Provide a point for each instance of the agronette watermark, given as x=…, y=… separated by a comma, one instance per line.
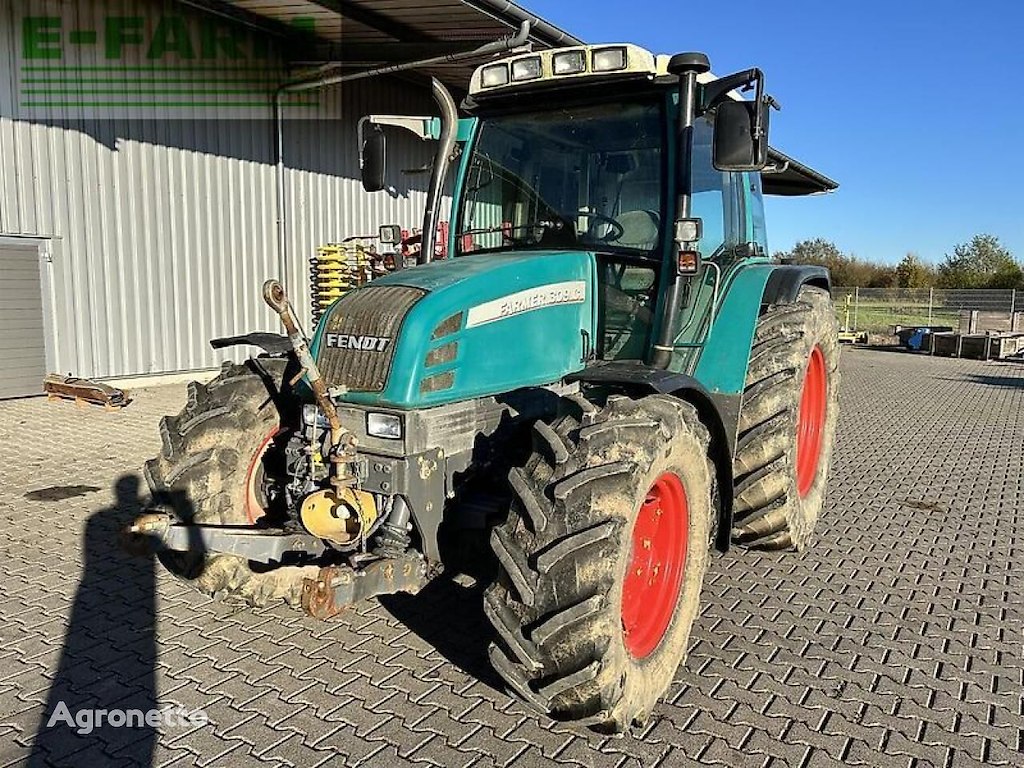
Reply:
x=85, y=721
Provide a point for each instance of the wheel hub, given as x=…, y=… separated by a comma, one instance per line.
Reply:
x=654, y=576
x=810, y=425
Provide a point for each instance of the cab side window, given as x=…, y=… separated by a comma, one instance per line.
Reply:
x=717, y=197
x=755, y=205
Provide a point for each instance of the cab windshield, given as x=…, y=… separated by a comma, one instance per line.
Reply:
x=585, y=176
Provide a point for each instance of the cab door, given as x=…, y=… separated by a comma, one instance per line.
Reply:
x=718, y=199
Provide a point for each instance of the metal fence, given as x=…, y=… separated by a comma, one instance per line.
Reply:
x=877, y=310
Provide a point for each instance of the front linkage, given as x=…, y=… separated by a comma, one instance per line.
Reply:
x=334, y=520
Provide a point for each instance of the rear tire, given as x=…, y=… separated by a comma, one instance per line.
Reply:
x=214, y=453
x=615, y=500
x=787, y=424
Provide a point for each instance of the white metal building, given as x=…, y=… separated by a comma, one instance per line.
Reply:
x=138, y=167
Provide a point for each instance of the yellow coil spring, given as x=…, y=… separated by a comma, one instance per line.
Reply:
x=336, y=270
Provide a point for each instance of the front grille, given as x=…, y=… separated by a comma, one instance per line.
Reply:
x=350, y=354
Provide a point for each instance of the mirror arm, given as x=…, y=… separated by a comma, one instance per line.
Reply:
x=759, y=132
x=418, y=126
x=717, y=90
x=775, y=168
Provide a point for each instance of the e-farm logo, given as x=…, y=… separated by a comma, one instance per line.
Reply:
x=95, y=60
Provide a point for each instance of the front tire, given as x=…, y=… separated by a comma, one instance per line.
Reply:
x=602, y=558
x=215, y=455
x=787, y=424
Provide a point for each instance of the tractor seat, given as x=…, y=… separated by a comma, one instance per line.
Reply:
x=639, y=229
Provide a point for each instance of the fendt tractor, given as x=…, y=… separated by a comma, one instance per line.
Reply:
x=606, y=379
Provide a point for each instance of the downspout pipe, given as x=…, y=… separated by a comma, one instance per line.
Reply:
x=510, y=13
x=515, y=43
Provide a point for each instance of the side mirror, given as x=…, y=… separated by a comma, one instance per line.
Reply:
x=738, y=147
x=390, y=234
x=373, y=160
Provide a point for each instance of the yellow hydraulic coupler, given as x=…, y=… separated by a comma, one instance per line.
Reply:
x=340, y=517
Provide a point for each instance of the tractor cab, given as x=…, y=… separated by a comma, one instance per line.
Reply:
x=649, y=162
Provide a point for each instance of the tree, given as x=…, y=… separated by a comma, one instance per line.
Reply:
x=824, y=253
x=1008, y=276
x=879, y=275
x=817, y=251
x=846, y=269
x=976, y=264
x=911, y=272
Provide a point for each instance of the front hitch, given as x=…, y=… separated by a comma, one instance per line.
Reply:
x=261, y=545
x=337, y=587
x=343, y=442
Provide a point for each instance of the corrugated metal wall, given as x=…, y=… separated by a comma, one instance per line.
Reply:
x=163, y=219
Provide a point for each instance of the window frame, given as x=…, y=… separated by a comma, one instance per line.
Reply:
x=654, y=255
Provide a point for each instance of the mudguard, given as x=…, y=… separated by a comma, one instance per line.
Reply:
x=722, y=364
x=785, y=282
x=272, y=343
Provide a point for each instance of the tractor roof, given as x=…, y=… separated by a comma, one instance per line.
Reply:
x=623, y=62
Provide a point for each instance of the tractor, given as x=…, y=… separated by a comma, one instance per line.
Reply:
x=607, y=379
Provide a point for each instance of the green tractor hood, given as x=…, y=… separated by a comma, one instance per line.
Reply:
x=460, y=329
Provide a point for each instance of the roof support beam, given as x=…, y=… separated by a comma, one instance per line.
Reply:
x=238, y=15
x=514, y=15
x=373, y=19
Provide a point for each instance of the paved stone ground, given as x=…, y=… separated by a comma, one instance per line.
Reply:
x=896, y=641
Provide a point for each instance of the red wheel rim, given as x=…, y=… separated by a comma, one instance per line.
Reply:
x=810, y=425
x=253, y=508
x=654, y=576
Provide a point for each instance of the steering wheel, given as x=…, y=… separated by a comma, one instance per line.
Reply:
x=614, y=233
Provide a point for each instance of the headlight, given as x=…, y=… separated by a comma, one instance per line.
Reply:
x=385, y=425
x=569, y=63
x=492, y=77
x=610, y=59
x=527, y=69
x=688, y=230
x=312, y=416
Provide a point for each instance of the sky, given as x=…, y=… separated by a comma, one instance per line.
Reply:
x=913, y=106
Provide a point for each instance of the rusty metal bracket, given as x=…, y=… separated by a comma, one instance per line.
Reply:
x=84, y=391
x=337, y=587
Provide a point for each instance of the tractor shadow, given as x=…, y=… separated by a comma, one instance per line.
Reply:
x=1004, y=382
x=108, y=658
x=1007, y=382
x=448, y=612
x=450, y=618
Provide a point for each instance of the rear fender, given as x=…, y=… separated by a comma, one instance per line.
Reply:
x=722, y=365
x=785, y=282
x=721, y=369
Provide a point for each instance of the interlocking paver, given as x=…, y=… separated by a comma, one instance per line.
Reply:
x=896, y=641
